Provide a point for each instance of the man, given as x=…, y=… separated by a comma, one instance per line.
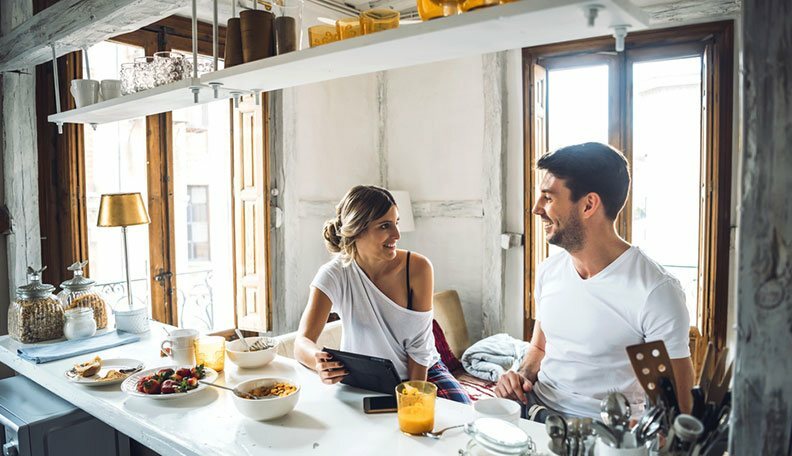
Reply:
x=597, y=297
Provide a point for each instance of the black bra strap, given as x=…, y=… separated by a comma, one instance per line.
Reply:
x=409, y=290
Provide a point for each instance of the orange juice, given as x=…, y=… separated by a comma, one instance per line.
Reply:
x=416, y=404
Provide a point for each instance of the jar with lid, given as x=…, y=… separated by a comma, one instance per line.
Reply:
x=79, y=323
x=495, y=437
x=79, y=291
x=36, y=314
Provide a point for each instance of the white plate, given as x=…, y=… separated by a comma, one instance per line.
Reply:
x=107, y=364
x=130, y=384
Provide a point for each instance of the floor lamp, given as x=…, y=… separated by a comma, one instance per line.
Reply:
x=125, y=209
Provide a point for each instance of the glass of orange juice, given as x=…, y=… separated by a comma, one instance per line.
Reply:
x=416, y=404
x=210, y=351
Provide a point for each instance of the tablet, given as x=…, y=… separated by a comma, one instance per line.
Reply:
x=367, y=372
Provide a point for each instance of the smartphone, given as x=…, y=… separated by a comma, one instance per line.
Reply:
x=379, y=404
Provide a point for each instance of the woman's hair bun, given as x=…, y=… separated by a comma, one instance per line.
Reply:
x=332, y=235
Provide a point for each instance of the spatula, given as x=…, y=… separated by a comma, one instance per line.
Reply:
x=651, y=363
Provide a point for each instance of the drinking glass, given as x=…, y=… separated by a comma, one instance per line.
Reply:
x=127, y=78
x=378, y=19
x=168, y=67
x=429, y=9
x=415, y=403
x=210, y=351
x=288, y=25
x=144, y=73
x=322, y=34
x=468, y=5
x=348, y=27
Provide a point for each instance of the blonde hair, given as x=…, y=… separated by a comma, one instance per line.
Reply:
x=360, y=206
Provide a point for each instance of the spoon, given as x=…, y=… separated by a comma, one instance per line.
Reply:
x=233, y=390
x=605, y=434
x=438, y=434
x=556, y=428
x=615, y=412
x=242, y=338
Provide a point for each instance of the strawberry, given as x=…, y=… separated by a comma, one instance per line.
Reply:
x=151, y=386
x=169, y=387
x=184, y=372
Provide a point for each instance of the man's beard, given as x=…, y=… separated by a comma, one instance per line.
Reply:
x=571, y=237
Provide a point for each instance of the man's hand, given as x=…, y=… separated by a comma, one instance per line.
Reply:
x=513, y=385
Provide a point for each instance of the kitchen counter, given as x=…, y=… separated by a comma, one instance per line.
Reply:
x=328, y=419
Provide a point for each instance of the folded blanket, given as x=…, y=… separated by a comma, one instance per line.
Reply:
x=489, y=358
x=66, y=349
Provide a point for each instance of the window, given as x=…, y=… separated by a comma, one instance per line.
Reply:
x=183, y=265
x=666, y=103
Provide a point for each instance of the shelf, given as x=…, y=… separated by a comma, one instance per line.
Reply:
x=510, y=26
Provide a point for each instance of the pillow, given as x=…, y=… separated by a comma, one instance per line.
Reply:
x=441, y=344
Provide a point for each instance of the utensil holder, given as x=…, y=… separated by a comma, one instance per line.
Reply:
x=233, y=43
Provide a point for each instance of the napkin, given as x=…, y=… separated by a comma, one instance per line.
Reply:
x=68, y=348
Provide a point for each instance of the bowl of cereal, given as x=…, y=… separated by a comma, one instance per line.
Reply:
x=266, y=398
x=259, y=351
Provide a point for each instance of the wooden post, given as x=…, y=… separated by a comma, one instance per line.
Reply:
x=762, y=415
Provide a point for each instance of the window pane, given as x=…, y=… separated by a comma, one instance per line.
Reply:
x=115, y=161
x=577, y=109
x=203, y=230
x=666, y=167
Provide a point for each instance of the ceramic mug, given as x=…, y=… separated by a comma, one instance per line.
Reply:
x=85, y=92
x=179, y=345
x=110, y=88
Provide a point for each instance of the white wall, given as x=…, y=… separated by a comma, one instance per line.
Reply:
x=422, y=129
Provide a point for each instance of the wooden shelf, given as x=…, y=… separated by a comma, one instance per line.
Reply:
x=510, y=26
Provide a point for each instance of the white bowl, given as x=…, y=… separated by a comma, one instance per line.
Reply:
x=240, y=357
x=268, y=408
x=498, y=407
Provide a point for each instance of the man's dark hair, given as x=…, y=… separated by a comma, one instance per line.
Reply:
x=591, y=168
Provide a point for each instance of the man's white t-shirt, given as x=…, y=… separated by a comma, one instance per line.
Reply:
x=588, y=323
x=373, y=324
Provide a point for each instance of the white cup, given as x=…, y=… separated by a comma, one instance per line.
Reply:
x=110, y=88
x=497, y=407
x=84, y=91
x=180, y=346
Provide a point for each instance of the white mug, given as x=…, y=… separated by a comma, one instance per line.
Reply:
x=180, y=346
x=85, y=92
x=110, y=88
x=497, y=407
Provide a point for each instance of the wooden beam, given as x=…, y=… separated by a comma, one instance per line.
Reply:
x=762, y=412
x=73, y=24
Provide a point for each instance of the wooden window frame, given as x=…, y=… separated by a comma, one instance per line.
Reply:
x=717, y=39
x=62, y=168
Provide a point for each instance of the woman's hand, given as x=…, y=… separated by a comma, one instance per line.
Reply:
x=330, y=372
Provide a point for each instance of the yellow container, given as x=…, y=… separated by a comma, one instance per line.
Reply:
x=468, y=5
x=378, y=19
x=210, y=351
x=429, y=9
x=322, y=34
x=348, y=27
x=415, y=402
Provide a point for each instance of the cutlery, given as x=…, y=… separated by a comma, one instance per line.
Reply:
x=556, y=428
x=605, y=433
x=233, y=390
x=438, y=434
x=131, y=370
x=242, y=338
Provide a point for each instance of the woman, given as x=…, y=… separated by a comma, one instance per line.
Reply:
x=382, y=294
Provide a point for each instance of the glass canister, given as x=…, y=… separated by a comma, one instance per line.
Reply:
x=494, y=437
x=36, y=314
x=79, y=323
x=79, y=291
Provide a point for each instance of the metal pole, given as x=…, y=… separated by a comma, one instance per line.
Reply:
x=87, y=65
x=57, y=86
x=214, y=34
x=126, y=260
x=195, y=37
x=233, y=8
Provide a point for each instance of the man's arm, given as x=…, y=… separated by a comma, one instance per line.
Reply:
x=683, y=377
x=514, y=385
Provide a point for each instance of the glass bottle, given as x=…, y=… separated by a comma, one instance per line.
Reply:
x=36, y=314
x=79, y=291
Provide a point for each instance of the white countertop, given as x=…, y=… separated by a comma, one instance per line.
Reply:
x=328, y=419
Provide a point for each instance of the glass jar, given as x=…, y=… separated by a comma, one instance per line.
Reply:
x=36, y=314
x=429, y=9
x=79, y=291
x=79, y=323
x=494, y=437
x=470, y=5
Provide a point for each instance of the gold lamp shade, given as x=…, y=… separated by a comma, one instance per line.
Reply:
x=122, y=209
